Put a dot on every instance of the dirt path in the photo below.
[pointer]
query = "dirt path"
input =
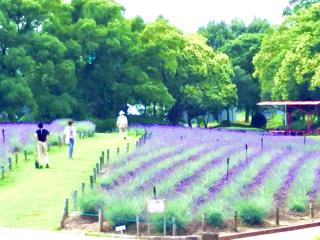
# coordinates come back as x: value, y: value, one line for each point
x: 303, y: 234
x: 29, y: 234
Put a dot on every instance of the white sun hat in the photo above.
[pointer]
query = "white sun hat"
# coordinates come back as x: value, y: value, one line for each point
x: 121, y: 112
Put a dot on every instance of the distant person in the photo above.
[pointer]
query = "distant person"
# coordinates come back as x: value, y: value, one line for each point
x: 122, y: 124
x: 42, y: 146
x: 70, y: 134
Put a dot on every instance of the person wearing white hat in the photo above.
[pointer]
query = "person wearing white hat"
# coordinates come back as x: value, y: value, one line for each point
x: 122, y: 124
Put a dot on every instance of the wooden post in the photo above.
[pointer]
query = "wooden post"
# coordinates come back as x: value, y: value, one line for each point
x: 16, y: 158
x: 174, y: 227
x: 66, y: 208
x: 83, y: 188
x: 10, y: 163
x: 101, y: 219
x: 102, y: 155
x: 2, y: 172
x: 137, y: 144
x: 25, y: 155
x: 154, y: 192
x: 228, y: 161
x: 204, y: 223
x: 128, y: 147
x: 59, y: 140
x: 118, y: 151
x: 98, y: 169
x: 311, y: 210
x: 91, y: 182
x: 108, y: 155
x: 246, y: 152
x: 94, y: 175
x: 138, y: 225
x: 164, y: 225
x: 261, y: 143
x: 235, y: 221
x: 3, y: 136
x: 75, y: 200
x: 101, y: 162
x: 65, y: 213
x: 149, y: 225
x: 277, y: 216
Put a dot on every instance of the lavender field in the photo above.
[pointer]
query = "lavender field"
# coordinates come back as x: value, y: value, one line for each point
x: 189, y: 168
x: 19, y: 137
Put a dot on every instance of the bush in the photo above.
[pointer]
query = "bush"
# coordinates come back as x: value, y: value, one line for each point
x: 299, y: 125
x: 258, y: 121
x: 105, y: 125
x: 214, y: 219
x: 225, y: 123
x: 299, y: 208
x: 54, y: 139
x: 120, y: 211
x: 91, y: 203
x: 141, y: 119
x: 135, y: 132
x: 251, y: 213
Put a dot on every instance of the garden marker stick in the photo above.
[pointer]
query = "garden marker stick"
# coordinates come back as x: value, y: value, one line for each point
x: 10, y: 163
x: 2, y: 172
x: 3, y: 136
x: 228, y: 161
x: 277, y: 216
x: 154, y: 192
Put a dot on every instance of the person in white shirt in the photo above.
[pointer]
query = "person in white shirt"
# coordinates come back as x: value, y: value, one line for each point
x: 122, y: 124
x: 70, y: 134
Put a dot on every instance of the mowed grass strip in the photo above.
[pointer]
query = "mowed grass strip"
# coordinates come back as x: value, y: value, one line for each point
x: 34, y: 198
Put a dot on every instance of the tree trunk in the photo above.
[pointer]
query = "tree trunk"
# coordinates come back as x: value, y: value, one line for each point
x: 154, y: 110
x: 206, y: 120
x: 246, y: 119
x: 189, y: 122
x: 228, y: 115
x: 145, y: 110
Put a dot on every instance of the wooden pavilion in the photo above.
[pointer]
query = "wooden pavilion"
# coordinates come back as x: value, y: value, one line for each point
x: 307, y: 107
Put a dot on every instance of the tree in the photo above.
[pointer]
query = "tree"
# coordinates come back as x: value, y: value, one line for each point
x: 288, y: 63
x: 296, y: 5
x: 241, y: 48
x: 206, y: 79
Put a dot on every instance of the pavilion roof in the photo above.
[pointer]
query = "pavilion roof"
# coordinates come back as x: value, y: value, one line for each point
x: 289, y: 103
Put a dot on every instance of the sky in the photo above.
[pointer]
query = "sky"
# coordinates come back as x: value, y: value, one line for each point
x: 189, y: 15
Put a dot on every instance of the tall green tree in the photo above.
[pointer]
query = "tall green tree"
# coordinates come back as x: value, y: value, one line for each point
x: 241, y: 45
x: 288, y: 63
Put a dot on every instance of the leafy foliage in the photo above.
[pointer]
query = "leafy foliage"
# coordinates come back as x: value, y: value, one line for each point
x: 287, y: 64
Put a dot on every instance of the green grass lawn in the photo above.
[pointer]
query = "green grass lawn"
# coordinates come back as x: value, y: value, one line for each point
x: 34, y: 198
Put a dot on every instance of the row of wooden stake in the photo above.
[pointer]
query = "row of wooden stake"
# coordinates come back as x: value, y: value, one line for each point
x: 10, y: 164
x: 97, y: 170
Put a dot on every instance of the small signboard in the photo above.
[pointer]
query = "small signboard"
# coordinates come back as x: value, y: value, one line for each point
x: 121, y: 228
x: 156, y: 206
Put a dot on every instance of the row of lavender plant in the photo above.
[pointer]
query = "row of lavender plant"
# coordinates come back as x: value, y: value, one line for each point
x: 298, y: 196
x: 263, y: 195
x: 225, y: 200
x: 184, y: 135
x: 281, y: 196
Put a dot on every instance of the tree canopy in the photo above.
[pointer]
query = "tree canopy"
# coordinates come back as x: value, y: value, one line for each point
x: 288, y: 63
x: 85, y: 59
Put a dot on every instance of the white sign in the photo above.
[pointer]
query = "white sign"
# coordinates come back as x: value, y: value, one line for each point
x: 121, y: 228
x: 156, y: 206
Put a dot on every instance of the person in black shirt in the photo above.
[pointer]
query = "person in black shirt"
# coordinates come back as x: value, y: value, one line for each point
x: 42, y: 146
